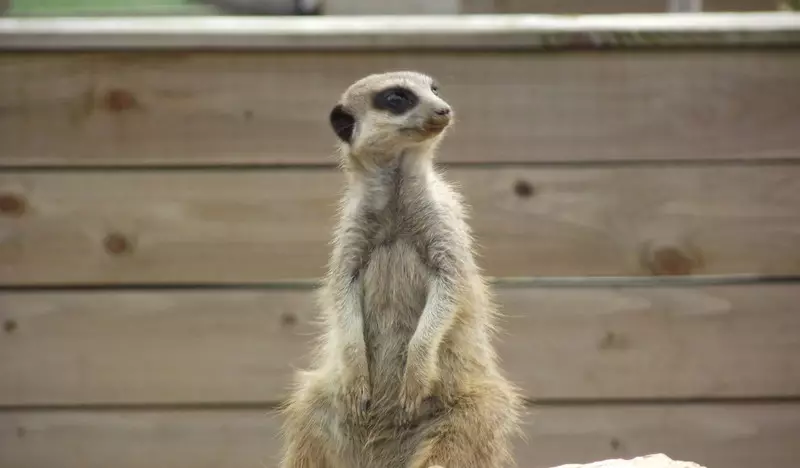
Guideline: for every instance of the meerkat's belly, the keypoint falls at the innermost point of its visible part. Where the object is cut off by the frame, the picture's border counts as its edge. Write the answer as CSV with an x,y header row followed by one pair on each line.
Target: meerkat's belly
x,y
395,289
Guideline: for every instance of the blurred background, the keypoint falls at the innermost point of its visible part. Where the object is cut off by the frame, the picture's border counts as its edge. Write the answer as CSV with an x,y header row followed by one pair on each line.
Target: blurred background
x,y
371,7
166,202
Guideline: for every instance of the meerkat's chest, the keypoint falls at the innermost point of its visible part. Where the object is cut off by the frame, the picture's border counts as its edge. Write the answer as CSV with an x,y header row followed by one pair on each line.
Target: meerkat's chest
x,y
396,262
400,215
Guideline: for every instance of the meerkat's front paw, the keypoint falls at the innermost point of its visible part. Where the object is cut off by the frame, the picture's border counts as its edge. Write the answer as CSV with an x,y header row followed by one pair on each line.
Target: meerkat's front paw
x,y
413,391
357,394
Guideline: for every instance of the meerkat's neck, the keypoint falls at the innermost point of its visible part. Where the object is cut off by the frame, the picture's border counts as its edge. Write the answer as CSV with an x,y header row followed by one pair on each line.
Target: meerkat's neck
x,y
386,180
368,168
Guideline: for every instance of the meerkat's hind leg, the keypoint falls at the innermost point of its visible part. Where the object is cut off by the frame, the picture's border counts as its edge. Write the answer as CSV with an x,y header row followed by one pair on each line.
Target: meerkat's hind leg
x,y
306,432
305,454
466,438
447,452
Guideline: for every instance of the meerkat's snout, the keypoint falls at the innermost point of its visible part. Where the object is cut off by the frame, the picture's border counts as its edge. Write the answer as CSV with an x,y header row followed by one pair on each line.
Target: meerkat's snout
x,y
439,119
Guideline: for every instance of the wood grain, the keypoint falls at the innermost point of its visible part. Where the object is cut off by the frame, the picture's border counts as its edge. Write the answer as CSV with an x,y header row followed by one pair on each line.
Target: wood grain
x,y
572,7
163,347
388,7
741,5
730,436
245,226
605,7
194,108
494,33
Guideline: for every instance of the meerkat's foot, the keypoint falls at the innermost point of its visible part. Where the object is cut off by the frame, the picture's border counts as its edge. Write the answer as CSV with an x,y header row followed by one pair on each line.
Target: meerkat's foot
x,y
357,395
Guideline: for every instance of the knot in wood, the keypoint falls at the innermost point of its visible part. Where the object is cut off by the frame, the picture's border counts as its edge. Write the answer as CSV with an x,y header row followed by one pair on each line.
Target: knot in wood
x,y
117,244
523,189
671,261
613,341
119,100
288,319
11,204
615,444
10,326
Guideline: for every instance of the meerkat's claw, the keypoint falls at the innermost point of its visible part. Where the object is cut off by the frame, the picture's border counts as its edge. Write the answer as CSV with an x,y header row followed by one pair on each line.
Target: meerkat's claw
x,y
364,407
412,393
357,397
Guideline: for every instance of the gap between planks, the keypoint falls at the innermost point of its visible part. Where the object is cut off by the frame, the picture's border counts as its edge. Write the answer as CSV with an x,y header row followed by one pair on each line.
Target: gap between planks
x,y
528,403
279,166
497,282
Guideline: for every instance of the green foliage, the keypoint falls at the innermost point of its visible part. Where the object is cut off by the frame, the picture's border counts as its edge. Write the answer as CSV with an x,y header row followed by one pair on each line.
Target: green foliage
x,y
103,7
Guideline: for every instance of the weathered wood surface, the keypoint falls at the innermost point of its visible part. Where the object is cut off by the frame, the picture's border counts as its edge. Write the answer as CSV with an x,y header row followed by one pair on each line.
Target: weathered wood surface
x,y
231,108
606,6
389,7
162,347
572,7
729,436
256,226
404,32
741,5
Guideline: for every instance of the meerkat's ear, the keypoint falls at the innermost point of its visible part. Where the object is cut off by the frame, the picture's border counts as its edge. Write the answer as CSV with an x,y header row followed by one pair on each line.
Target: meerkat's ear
x,y
343,123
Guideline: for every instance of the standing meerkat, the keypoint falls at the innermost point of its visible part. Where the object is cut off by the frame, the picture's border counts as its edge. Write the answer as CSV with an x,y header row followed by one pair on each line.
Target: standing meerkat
x,y
405,375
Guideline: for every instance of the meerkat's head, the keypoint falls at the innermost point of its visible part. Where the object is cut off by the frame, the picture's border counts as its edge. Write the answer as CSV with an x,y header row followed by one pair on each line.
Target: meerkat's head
x,y
389,113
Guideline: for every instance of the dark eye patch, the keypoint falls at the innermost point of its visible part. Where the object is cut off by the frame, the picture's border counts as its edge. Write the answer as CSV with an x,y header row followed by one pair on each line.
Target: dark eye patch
x,y
396,100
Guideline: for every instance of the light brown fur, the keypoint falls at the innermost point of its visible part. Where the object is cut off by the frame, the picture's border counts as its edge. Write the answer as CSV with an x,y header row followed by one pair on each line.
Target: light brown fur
x,y
405,375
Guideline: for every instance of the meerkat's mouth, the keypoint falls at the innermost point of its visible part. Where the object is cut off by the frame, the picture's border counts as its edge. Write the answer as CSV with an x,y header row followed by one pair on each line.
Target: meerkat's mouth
x,y
426,130
435,126
429,128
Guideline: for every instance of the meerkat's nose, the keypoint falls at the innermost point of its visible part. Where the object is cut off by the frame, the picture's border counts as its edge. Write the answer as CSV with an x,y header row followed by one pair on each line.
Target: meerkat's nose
x,y
438,119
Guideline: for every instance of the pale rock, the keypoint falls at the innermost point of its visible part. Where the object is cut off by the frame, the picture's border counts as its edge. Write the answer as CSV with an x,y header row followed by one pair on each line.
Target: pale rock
x,y
658,460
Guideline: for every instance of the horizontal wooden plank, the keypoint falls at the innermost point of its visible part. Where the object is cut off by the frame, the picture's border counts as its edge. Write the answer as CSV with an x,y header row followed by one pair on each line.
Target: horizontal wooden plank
x,y
570,7
360,8
238,108
256,226
243,346
391,32
726,436
584,7
742,5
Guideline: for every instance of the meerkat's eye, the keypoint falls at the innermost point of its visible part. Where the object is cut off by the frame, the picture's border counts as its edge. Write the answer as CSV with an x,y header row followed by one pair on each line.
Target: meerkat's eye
x,y
396,100
435,89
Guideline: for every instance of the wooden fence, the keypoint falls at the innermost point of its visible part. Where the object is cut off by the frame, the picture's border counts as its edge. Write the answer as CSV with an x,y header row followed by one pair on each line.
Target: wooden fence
x,y
166,199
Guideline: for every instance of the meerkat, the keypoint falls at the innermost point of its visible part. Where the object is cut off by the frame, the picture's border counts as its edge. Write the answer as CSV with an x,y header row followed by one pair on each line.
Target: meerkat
x,y
404,374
